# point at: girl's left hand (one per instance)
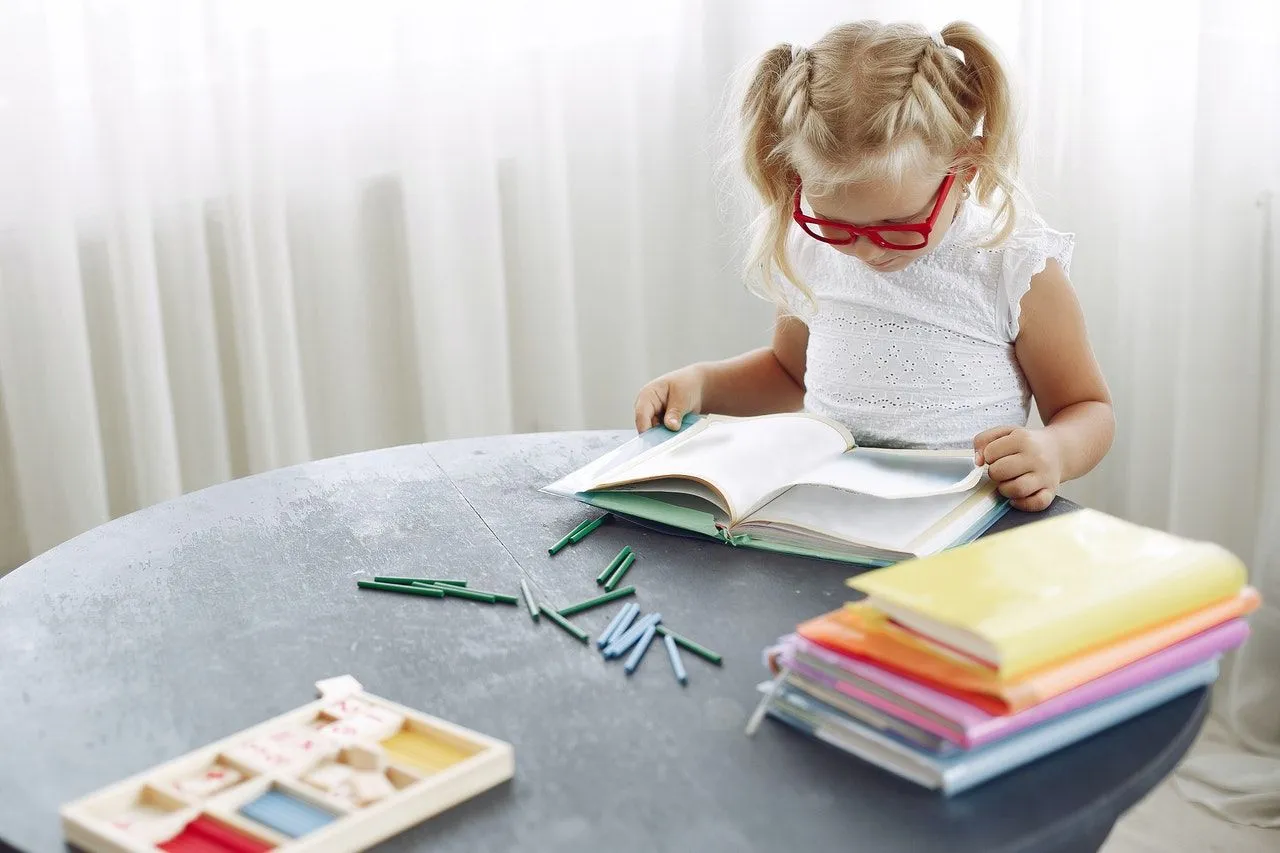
(1025, 464)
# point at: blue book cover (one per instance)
(963, 770)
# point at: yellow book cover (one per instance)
(1046, 591)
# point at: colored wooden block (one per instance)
(371, 787)
(206, 835)
(213, 779)
(287, 814)
(329, 777)
(364, 756)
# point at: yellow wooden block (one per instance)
(421, 751)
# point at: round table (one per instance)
(181, 624)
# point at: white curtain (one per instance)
(237, 235)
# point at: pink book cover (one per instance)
(969, 726)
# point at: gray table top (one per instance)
(186, 622)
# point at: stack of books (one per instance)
(959, 667)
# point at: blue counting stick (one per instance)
(641, 647)
(620, 623)
(673, 652)
(618, 647)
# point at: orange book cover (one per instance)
(859, 631)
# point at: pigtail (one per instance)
(776, 104)
(988, 94)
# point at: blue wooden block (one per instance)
(286, 814)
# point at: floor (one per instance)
(1166, 823)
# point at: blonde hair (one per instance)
(868, 101)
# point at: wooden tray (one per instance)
(339, 774)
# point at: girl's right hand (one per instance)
(669, 398)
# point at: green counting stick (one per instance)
(622, 570)
(702, 652)
(613, 564)
(597, 601)
(565, 624)
(406, 581)
(568, 537)
(431, 592)
(582, 533)
(474, 594)
(457, 592)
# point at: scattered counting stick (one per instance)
(582, 531)
(458, 592)
(565, 624)
(621, 570)
(620, 622)
(578, 535)
(407, 581)
(673, 653)
(612, 595)
(430, 592)
(564, 541)
(622, 644)
(642, 646)
(528, 599)
(613, 565)
(702, 652)
(757, 715)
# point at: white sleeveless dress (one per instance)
(922, 357)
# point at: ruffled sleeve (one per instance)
(1025, 256)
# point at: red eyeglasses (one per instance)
(903, 237)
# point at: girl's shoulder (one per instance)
(1015, 261)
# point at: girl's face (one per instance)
(908, 201)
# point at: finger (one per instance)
(1038, 502)
(1011, 467)
(982, 439)
(678, 404)
(649, 405)
(1004, 446)
(1022, 487)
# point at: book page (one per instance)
(686, 493)
(863, 519)
(581, 479)
(745, 459)
(896, 474)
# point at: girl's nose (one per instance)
(866, 251)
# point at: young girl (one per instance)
(918, 303)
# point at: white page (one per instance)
(859, 518)
(581, 479)
(745, 458)
(896, 473)
(701, 498)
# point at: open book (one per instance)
(795, 483)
